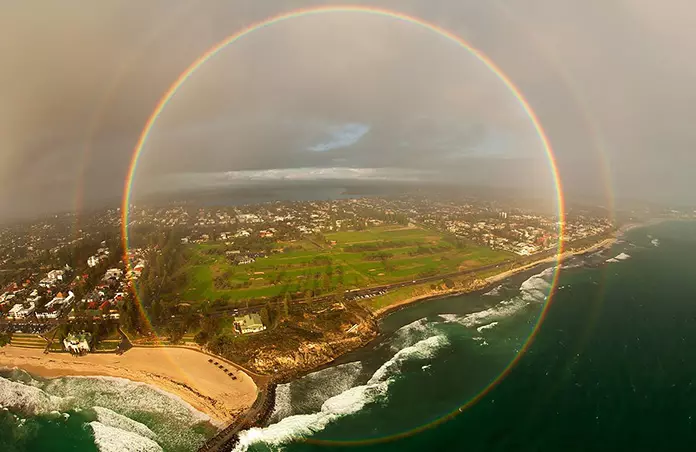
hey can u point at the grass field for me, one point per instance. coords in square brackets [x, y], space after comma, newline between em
[355, 259]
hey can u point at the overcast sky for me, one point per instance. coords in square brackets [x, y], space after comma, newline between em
[344, 95]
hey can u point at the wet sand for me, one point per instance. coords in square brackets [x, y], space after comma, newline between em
[179, 371]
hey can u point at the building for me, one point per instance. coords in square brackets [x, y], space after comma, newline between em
[77, 344]
[249, 323]
[18, 311]
[115, 273]
[52, 278]
[59, 301]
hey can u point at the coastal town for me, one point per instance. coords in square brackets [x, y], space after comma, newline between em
[32, 293]
[255, 294]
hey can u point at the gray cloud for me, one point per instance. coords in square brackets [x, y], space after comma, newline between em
[610, 81]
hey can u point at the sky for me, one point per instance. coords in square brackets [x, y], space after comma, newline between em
[344, 96]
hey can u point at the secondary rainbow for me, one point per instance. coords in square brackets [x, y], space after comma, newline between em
[169, 94]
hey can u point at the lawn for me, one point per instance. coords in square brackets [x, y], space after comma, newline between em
[348, 260]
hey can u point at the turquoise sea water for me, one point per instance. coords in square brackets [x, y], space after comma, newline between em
[611, 368]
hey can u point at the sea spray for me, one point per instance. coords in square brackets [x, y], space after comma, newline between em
[346, 403]
[486, 327]
[112, 439]
[29, 400]
[120, 394]
[132, 407]
[314, 389]
[619, 257]
[534, 289]
[113, 419]
[411, 333]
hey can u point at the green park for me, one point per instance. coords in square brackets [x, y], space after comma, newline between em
[326, 264]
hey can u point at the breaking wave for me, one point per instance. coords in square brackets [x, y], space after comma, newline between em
[533, 290]
[420, 350]
[619, 257]
[409, 334]
[112, 439]
[29, 400]
[494, 292]
[125, 395]
[282, 406]
[346, 403]
[486, 327]
[114, 401]
[314, 389]
[112, 419]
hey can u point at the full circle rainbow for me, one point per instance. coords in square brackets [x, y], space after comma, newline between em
[453, 38]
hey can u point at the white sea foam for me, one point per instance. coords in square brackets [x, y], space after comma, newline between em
[411, 333]
[501, 310]
[619, 257]
[655, 242]
[282, 406]
[112, 439]
[533, 290]
[494, 292]
[28, 399]
[420, 350]
[301, 425]
[449, 318]
[486, 327]
[113, 419]
[314, 389]
[346, 403]
[125, 395]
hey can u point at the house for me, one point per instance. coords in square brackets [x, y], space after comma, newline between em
[59, 301]
[113, 273]
[52, 278]
[242, 260]
[249, 323]
[47, 315]
[18, 311]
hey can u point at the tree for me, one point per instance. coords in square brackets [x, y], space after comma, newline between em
[265, 316]
[286, 303]
[201, 337]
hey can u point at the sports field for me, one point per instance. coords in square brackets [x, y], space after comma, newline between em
[347, 260]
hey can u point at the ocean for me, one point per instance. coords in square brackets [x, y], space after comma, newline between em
[610, 368]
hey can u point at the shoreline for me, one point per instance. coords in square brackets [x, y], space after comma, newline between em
[492, 280]
[182, 373]
[226, 406]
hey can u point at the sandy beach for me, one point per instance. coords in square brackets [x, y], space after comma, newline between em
[179, 371]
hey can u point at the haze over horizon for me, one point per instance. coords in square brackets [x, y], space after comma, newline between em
[343, 96]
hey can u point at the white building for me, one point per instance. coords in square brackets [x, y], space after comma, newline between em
[59, 301]
[115, 273]
[47, 315]
[77, 343]
[18, 311]
[250, 323]
[52, 278]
